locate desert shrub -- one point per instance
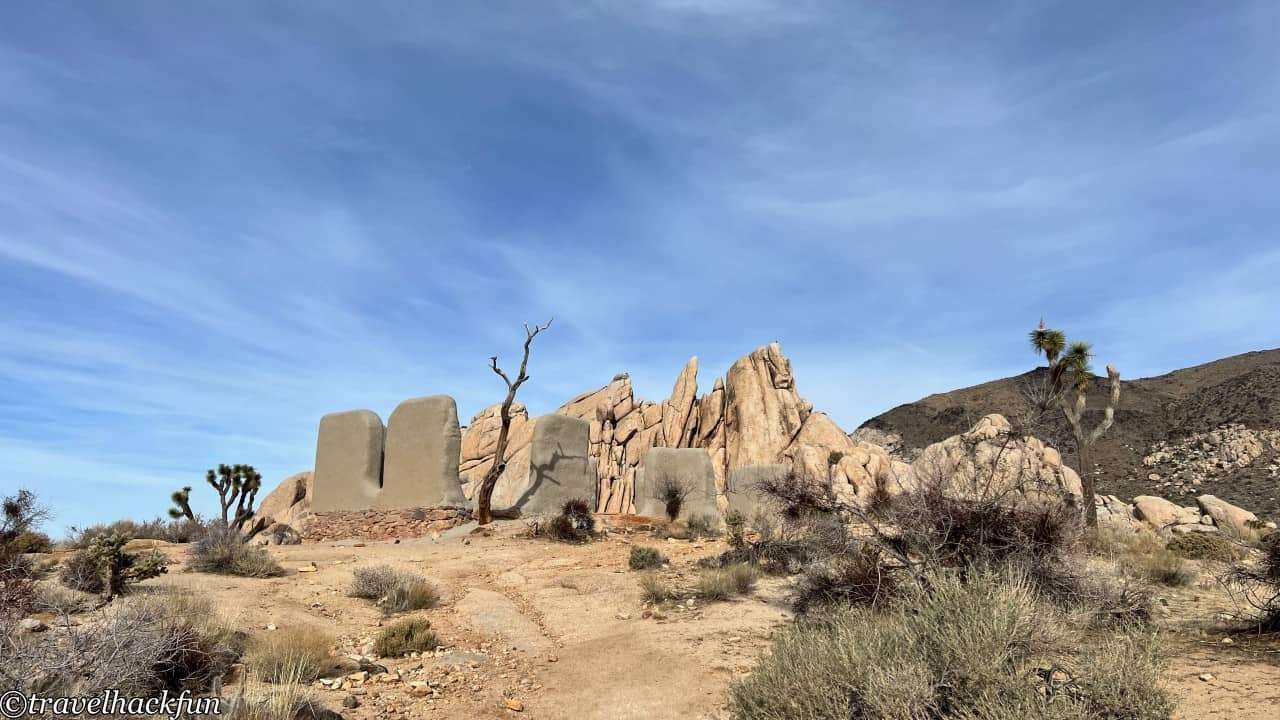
(735, 525)
(106, 569)
(372, 583)
(289, 699)
(702, 526)
(60, 600)
(645, 558)
(20, 514)
(141, 646)
(1254, 584)
(289, 655)
(724, 583)
(981, 646)
(1206, 546)
(32, 542)
(222, 551)
(181, 530)
(859, 577)
(654, 591)
(797, 494)
(406, 636)
(671, 491)
(394, 590)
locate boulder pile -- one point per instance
(1207, 457)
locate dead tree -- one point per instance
(237, 487)
(484, 511)
(1067, 385)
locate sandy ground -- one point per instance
(559, 632)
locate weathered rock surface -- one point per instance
(288, 504)
(688, 468)
(1156, 511)
(420, 468)
(742, 493)
(383, 524)
(348, 469)
(277, 534)
(560, 467)
(989, 459)
(480, 439)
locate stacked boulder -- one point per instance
(1210, 514)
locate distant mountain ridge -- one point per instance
(1178, 410)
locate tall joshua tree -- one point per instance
(484, 510)
(1066, 386)
(237, 487)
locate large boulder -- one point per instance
(560, 467)
(348, 473)
(1156, 511)
(679, 418)
(1225, 514)
(289, 504)
(689, 469)
(480, 440)
(421, 456)
(763, 410)
(990, 460)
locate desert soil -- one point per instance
(559, 631)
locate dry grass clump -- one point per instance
(645, 558)
(986, 646)
(654, 591)
(702, 526)
(724, 583)
(289, 655)
(223, 551)
(1144, 555)
(395, 591)
(406, 636)
(287, 699)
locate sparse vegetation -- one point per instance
(645, 558)
(222, 551)
(406, 636)
(931, 656)
(140, 646)
(395, 591)
(724, 583)
(654, 591)
(181, 530)
(289, 655)
(702, 526)
(1254, 585)
(105, 568)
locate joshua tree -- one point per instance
(484, 511)
(237, 487)
(1066, 385)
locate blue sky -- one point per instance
(220, 220)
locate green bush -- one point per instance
(223, 551)
(406, 636)
(986, 647)
(645, 558)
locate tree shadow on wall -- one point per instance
(542, 474)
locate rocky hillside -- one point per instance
(1212, 428)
